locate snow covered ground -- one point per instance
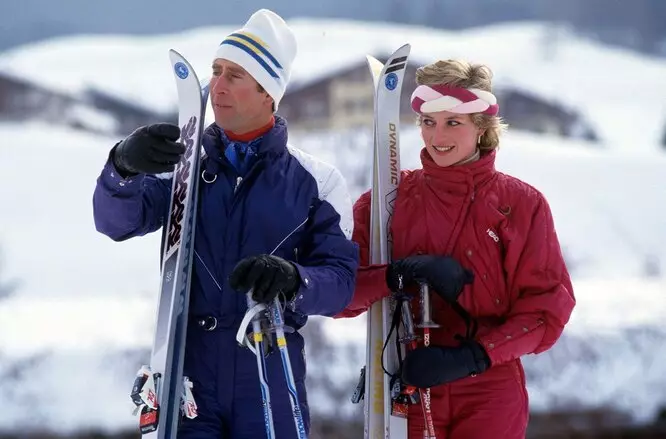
(81, 319)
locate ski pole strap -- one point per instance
(251, 314)
(395, 321)
(470, 323)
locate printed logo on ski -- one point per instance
(181, 70)
(426, 401)
(181, 188)
(391, 81)
(393, 148)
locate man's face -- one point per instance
(238, 102)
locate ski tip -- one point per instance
(205, 89)
(175, 56)
(402, 51)
(204, 84)
(182, 69)
(180, 65)
(375, 65)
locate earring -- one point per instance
(478, 142)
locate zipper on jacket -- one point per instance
(239, 182)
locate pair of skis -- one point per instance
(161, 393)
(386, 400)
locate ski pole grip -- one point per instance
(426, 310)
(407, 320)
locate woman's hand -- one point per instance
(442, 273)
(436, 365)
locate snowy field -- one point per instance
(83, 314)
(85, 306)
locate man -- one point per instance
(270, 217)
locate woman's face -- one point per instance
(449, 137)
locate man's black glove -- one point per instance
(442, 273)
(151, 149)
(435, 365)
(267, 275)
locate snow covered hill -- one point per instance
(614, 89)
(81, 321)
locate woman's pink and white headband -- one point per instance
(439, 97)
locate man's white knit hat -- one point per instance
(266, 48)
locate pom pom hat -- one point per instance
(266, 48)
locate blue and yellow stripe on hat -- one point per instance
(254, 47)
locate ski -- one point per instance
(161, 393)
(383, 418)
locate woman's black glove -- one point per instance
(435, 365)
(442, 273)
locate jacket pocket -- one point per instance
(481, 249)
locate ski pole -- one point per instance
(258, 337)
(426, 324)
(411, 340)
(278, 324)
(277, 321)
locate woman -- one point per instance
(485, 243)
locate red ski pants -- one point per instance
(492, 405)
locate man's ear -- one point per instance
(269, 101)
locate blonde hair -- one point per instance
(457, 73)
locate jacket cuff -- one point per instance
(303, 298)
(115, 182)
(510, 341)
(481, 358)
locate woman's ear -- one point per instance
(480, 133)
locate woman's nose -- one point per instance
(439, 135)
